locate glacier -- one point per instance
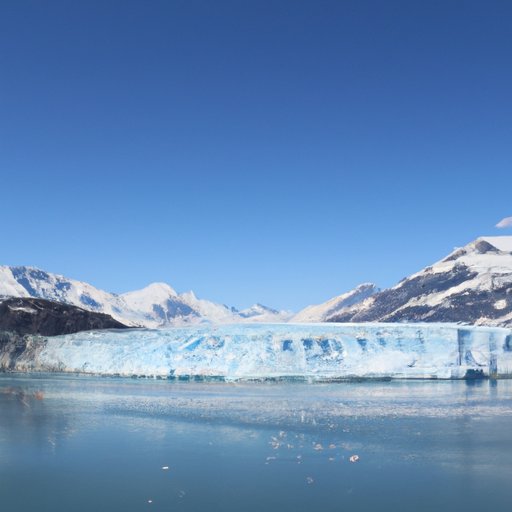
(311, 352)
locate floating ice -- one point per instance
(284, 351)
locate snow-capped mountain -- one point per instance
(323, 312)
(157, 305)
(264, 314)
(472, 285)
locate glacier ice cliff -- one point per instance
(287, 351)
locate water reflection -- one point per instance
(27, 421)
(226, 443)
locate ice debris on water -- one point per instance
(309, 480)
(275, 443)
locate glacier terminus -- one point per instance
(309, 352)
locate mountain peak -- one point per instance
(501, 243)
(190, 295)
(159, 288)
(257, 309)
(471, 285)
(323, 312)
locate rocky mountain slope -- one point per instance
(323, 312)
(472, 285)
(157, 305)
(47, 318)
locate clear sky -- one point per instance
(271, 151)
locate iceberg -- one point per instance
(310, 352)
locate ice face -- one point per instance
(302, 351)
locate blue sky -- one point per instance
(271, 151)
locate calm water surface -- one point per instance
(93, 444)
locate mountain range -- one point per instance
(472, 285)
(157, 305)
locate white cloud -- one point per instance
(505, 223)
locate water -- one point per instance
(99, 444)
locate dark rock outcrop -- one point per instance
(47, 318)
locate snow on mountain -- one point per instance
(156, 305)
(33, 282)
(219, 313)
(471, 285)
(262, 313)
(9, 286)
(322, 312)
